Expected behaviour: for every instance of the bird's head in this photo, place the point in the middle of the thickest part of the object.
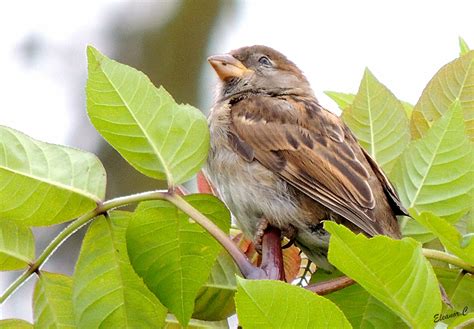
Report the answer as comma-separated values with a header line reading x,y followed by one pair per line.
x,y
258,69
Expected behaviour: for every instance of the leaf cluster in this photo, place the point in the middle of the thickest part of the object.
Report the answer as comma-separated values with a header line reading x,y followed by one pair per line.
x,y
162,266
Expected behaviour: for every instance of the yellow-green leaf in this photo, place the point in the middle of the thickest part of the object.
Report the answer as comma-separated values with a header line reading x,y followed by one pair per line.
x,y
276,304
393,271
378,120
17,245
157,136
453,82
44,184
435,173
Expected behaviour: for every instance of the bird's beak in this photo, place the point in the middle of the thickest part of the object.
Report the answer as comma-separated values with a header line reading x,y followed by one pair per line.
x,y
227,66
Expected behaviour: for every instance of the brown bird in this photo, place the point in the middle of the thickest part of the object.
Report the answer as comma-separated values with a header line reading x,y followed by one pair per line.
x,y
278,157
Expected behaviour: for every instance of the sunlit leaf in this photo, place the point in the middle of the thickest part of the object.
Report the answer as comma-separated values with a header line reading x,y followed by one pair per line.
x,y
448,235
408,108
15,324
173,254
275,304
454,81
343,100
393,271
157,136
107,292
363,310
463,47
44,184
435,173
17,245
378,120
52,301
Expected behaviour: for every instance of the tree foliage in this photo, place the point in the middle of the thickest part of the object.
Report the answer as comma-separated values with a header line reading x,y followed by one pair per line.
x,y
158,266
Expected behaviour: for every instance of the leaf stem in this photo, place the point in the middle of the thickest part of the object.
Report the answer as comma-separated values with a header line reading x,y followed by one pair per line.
x,y
448,258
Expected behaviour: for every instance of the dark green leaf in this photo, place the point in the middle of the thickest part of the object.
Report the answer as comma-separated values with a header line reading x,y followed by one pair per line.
x,y
215,300
173,254
363,310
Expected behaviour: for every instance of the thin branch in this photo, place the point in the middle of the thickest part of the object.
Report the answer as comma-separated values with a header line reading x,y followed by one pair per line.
x,y
448,258
326,287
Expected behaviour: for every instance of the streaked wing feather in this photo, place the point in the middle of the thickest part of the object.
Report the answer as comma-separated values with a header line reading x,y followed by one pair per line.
x,y
322,165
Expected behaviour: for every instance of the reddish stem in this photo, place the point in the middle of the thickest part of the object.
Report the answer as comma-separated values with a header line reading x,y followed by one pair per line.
x,y
272,256
326,287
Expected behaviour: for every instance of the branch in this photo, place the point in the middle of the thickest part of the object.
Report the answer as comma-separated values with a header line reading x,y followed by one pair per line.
x,y
448,258
326,287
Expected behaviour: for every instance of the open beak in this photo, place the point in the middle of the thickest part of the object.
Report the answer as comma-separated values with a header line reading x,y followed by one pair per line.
x,y
227,66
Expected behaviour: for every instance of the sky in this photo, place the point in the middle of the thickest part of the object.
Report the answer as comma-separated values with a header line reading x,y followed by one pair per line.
x,y
402,42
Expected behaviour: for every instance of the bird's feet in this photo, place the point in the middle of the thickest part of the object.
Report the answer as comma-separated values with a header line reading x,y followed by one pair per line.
x,y
258,239
289,232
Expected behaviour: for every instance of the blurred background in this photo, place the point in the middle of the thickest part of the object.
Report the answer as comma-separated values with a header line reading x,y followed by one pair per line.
x,y
43,65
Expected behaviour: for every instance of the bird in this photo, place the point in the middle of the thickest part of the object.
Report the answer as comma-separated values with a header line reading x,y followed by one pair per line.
x,y
277,157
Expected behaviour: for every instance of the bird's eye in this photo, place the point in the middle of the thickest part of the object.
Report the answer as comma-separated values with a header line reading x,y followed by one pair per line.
x,y
264,61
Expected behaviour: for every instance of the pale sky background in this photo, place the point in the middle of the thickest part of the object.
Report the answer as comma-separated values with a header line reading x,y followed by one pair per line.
x,y
402,42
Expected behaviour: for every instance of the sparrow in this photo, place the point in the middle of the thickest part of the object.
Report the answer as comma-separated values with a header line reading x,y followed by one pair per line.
x,y
277,157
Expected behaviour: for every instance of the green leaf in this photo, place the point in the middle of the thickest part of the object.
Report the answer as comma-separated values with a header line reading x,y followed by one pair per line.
x,y
459,288
275,304
378,120
173,323
364,311
393,271
17,246
15,324
448,235
107,292
45,184
453,82
408,108
52,301
463,321
215,300
343,100
158,137
173,254
435,173
463,47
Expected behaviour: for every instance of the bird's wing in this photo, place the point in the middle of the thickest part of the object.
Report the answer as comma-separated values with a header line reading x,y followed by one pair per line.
x,y
310,149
